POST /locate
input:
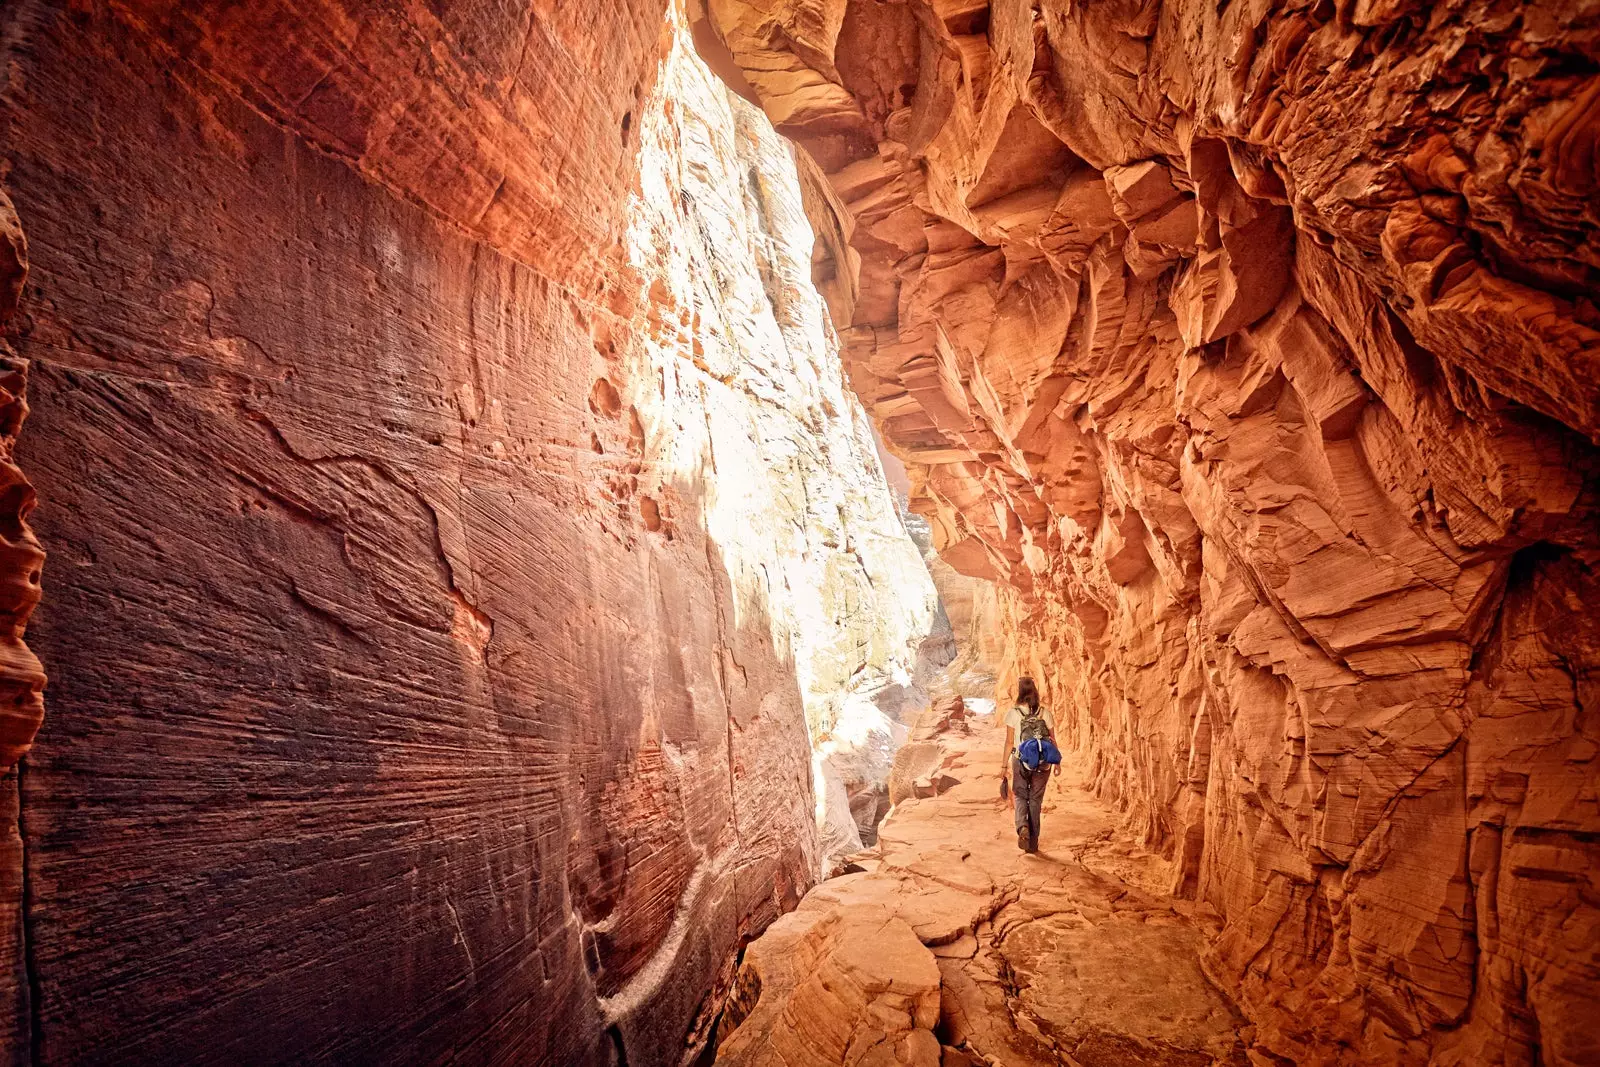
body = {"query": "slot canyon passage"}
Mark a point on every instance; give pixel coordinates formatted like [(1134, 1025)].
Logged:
[(528, 486)]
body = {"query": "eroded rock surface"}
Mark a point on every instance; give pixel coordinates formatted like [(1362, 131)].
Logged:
[(956, 948), (457, 511), (1253, 349), (21, 675)]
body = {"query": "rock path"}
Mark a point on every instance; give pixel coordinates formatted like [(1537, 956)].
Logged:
[(951, 947)]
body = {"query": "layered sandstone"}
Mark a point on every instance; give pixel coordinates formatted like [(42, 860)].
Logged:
[(1253, 349), (457, 518)]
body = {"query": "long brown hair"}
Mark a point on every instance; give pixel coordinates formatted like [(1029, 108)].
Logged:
[(1027, 693)]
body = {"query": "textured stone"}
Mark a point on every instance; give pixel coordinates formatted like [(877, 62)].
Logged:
[(1252, 350), (843, 985), (459, 517), (21, 558), (1059, 957)]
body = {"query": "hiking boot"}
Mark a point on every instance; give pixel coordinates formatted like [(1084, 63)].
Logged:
[(1033, 846), (1024, 842)]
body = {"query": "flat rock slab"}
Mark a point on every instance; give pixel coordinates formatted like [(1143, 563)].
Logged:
[(1124, 985)]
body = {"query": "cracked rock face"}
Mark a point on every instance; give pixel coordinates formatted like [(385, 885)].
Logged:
[(1252, 349), (458, 518)]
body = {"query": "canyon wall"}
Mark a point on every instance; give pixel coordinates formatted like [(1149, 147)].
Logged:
[(791, 483), (456, 521), (1253, 349)]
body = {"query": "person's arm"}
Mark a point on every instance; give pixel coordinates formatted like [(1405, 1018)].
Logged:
[(1005, 757), (1050, 731)]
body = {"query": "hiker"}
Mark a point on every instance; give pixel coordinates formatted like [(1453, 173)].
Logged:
[(1029, 755)]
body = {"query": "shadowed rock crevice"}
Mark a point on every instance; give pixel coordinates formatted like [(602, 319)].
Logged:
[(26, 1029)]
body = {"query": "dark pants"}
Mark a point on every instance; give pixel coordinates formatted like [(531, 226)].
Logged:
[(1027, 787)]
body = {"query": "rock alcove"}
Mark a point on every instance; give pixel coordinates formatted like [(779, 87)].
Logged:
[(478, 612)]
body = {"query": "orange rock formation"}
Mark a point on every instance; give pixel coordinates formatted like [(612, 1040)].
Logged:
[(458, 515), (418, 451), (953, 937), (1253, 348)]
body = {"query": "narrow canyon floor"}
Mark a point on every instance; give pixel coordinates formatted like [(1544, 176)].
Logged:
[(949, 945)]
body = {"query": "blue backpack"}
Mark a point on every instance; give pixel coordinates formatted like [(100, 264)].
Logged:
[(1034, 745)]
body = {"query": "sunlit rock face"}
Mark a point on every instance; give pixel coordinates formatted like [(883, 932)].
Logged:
[(1253, 350), (457, 520), (782, 452)]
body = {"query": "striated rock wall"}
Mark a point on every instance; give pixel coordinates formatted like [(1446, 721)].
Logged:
[(1253, 349), (457, 518)]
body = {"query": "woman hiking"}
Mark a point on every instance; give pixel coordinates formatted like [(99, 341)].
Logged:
[(1029, 754)]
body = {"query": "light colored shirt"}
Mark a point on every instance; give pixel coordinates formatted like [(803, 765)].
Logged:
[(1014, 719)]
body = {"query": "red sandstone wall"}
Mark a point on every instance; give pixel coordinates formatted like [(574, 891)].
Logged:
[(1254, 349), (384, 723)]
